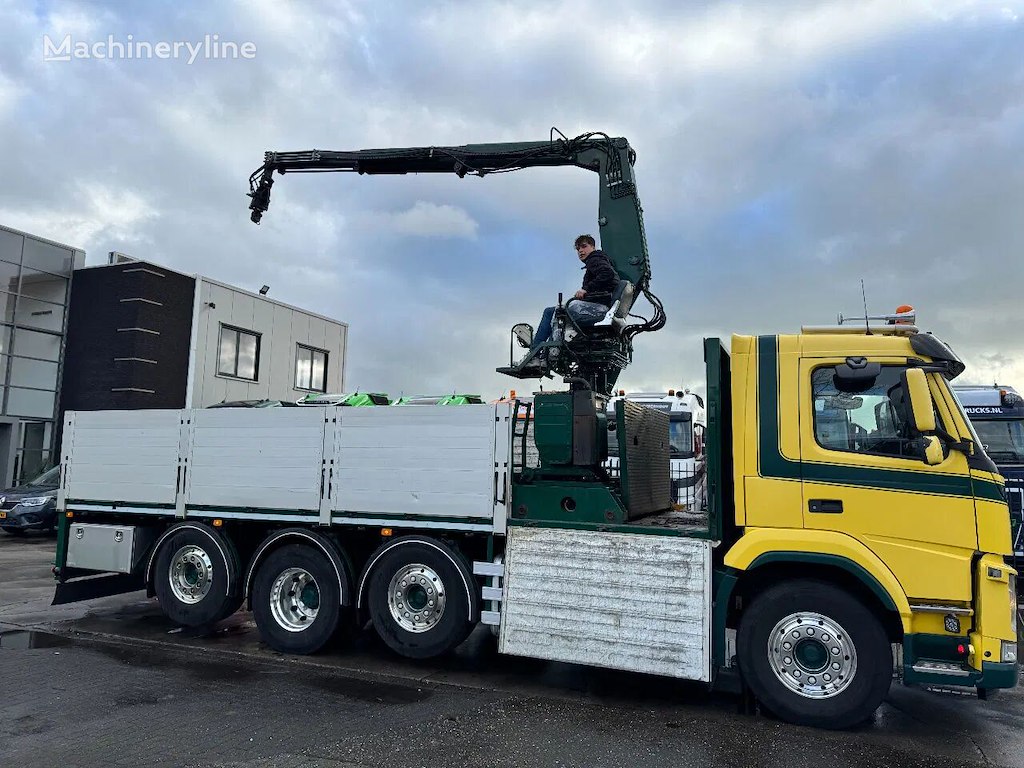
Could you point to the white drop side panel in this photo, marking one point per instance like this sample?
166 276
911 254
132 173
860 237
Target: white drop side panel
619 600
122 456
416 460
503 423
268 458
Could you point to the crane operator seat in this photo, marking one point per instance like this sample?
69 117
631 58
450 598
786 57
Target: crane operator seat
622 300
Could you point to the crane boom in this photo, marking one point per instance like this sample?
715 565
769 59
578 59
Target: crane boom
592 358
620 216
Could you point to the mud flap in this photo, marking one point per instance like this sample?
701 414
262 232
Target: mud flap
90 587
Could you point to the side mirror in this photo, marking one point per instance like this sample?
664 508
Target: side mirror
523 333
932 451
919 400
856 374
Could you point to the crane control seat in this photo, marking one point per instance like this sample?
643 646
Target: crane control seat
576 335
622 301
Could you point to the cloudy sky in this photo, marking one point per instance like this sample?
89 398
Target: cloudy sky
786 151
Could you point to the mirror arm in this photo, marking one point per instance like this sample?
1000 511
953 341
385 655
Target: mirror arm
965 447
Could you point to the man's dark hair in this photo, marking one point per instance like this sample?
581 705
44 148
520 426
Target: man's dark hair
585 240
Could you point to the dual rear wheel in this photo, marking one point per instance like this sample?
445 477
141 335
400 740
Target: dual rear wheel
418 594
297 599
421 600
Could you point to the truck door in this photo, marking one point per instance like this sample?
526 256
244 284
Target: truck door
864 475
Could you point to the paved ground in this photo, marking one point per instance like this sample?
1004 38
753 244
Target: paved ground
112 682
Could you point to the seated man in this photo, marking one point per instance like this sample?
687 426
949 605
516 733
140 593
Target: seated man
592 300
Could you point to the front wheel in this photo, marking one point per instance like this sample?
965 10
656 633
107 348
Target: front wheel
814 655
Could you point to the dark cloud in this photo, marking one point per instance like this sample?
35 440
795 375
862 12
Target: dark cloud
785 152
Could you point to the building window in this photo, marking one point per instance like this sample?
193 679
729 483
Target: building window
239 354
310 369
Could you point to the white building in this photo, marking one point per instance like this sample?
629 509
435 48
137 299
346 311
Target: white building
141 335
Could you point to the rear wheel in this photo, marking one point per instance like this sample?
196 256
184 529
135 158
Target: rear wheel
419 601
296 600
815 655
193 579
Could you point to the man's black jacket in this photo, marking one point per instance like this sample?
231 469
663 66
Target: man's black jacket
600 279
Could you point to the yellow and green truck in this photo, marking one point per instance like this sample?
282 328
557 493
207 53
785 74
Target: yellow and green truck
855 527
852 520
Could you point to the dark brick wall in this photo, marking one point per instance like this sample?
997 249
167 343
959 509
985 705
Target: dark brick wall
98 309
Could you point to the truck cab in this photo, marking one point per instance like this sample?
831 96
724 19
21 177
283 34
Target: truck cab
855 468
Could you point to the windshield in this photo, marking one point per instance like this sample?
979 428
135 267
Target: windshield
49 477
1002 439
680 438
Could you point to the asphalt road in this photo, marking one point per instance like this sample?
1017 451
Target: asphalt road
112 682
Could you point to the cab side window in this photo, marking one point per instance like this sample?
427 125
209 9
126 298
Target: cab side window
873 420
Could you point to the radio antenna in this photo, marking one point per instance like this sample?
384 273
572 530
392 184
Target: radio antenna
864 295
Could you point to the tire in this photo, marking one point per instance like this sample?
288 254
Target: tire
418 599
302 620
840 668
15 531
231 607
193 577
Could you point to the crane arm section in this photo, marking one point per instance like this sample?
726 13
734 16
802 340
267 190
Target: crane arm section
620 216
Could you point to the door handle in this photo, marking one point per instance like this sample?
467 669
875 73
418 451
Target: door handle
826 506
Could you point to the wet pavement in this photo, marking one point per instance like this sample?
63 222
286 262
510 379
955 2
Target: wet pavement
113 682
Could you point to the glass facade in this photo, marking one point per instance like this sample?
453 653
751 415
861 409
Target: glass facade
35 277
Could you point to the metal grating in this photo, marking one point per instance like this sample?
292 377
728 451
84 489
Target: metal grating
644 457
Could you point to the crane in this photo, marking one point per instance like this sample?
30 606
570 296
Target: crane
589 357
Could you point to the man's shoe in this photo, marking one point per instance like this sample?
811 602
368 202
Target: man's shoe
537 363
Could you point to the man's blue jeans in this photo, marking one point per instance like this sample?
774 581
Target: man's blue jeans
583 313
544 329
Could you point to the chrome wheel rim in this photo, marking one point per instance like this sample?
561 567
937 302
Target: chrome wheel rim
416 598
812 655
295 599
190 574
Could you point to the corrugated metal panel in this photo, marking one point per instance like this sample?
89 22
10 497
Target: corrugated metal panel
123 456
624 601
257 457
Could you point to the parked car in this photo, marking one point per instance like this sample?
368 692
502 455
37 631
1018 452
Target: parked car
31 506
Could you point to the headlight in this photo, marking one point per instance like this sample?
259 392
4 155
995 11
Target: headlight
1009 654
35 501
